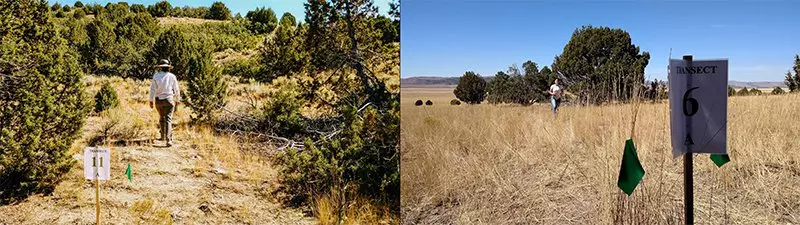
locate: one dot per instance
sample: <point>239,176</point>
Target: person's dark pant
<point>555,102</point>
<point>165,109</point>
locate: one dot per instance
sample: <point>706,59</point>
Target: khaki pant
<point>165,109</point>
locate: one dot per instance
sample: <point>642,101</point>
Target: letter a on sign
<point>698,105</point>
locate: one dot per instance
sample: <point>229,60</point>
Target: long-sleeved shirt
<point>165,86</point>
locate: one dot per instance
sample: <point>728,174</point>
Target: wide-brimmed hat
<point>163,63</point>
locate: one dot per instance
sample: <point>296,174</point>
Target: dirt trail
<point>176,183</point>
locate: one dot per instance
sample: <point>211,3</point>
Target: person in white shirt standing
<point>555,95</point>
<point>166,96</point>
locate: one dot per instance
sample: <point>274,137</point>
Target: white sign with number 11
<point>96,163</point>
<point>698,100</point>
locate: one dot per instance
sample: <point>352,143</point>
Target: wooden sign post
<point>96,166</point>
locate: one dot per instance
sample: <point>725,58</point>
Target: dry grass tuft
<point>148,211</point>
<point>337,207</point>
<point>520,165</point>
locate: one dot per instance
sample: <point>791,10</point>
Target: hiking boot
<point>169,144</point>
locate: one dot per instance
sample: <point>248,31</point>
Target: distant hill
<point>450,81</point>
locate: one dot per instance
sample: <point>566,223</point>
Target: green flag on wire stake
<point>631,171</point>
<point>720,159</point>
<point>129,173</point>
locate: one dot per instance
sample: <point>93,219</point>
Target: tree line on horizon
<point>598,65</point>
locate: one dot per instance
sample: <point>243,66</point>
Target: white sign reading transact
<point>698,97</point>
<point>96,163</point>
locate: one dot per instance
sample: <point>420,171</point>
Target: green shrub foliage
<point>471,88</point>
<point>106,98</point>
<point>601,64</point>
<point>78,14</point>
<point>283,54</point>
<point>455,102</point>
<point>743,92</point>
<point>778,91</point>
<point>218,11</point>
<point>364,155</point>
<point>261,20</point>
<point>418,102</point>
<point>117,43</point>
<point>282,110</point>
<point>288,20</point>
<point>42,101</point>
<point>176,47</point>
<point>160,9</point>
<point>207,89</point>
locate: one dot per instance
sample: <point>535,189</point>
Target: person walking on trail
<point>166,96</point>
<point>555,95</point>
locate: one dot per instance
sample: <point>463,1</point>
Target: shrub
<point>365,156</point>
<point>242,67</point>
<point>174,46</point>
<point>207,89</point>
<point>138,8</point>
<point>418,103</point>
<point>283,54</point>
<point>429,102</point>
<point>42,101</point>
<point>389,32</point>
<point>220,36</point>
<point>471,88</point>
<point>731,91</point>
<point>56,7</point>
<point>288,20</point>
<point>754,91</point>
<point>743,92</point>
<point>66,8</point>
<point>160,9</point>
<point>218,11</point>
<point>60,14</point>
<point>118,41</point>
<point>106,98</point>
<point>261,20</point>
<point>282,110</point>
<point>455,102</point>
<point>122,124</point>
<point>78,14</point>
<point>78,4</point>
<point>778,91</point>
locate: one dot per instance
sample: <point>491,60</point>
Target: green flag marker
<point>128,172</point>
<point>631,171</point>
<point>720,159</point>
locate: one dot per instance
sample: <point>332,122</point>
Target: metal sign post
<point>698,96</point>
<point>688,179</point>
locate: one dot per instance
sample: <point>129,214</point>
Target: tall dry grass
<point>485,164</point>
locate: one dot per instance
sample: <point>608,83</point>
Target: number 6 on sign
<point>692,102</point>
<point>698,95</point>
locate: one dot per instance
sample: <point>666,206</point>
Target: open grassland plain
<point>501,164</point>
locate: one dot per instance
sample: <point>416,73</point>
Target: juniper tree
<point>207,89</point>
<point>218,11</point>
<point>106,98</point>
<point>288,20</point>
<point>261,20</point>
<point>471,88</point>
<point>601,64</point>
<point>42,101</point>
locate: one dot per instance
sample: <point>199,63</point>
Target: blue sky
<point>242,6</point>
<point>447,37</point>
